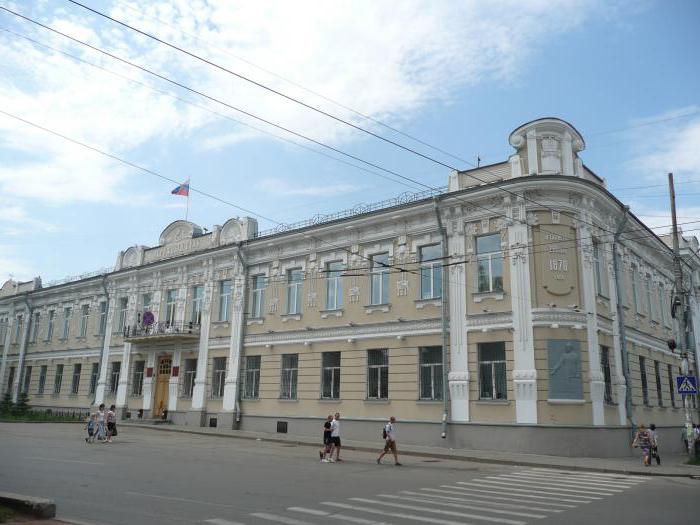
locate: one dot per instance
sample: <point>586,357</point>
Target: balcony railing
<point>163,330</point>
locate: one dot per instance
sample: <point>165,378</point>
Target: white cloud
<point>282,187</point>
<point>13,266</point>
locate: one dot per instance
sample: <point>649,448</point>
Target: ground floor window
<point>218,377</point>
<point>671,386</point>
<point>188,377</point>
<point>42,379</point>
<point>607,377</point>
<point>430,363</point>
<point>378,374</point>
<point>252,377</point>
<point>290,370</point>
<point>492,371</point>
<point>643,376</point>
<point>93,377</point>
<point>114,377</point>
<point>58,379</point>
<point>10,379</point>
<point>27,379</point>
<point>75,383</point>
<point>137,378</point>
<point>657,376</point>
<point>330,375</point>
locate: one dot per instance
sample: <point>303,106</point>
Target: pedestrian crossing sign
<point>687,385</point>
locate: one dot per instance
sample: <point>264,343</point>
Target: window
<point>93,377</point>
<point>430,362</point>
<point>49,327</point>
<point>657,375</point>
<point>252,377</point>
<point>635,290</point>
<point>643,374</point>
<point>492,371</point>
<point>430,271</point>
<point>170,302</point>
<point>188,379</point>
<point>75,383</point>
<point>334,285</point>
<point>103,317</point>
<point>18,329</point>
<point>379,279</point>
<point>58,379</point>
<point>3,331</point>
<point>597,267</point>
<point>121,322</point>
<point>42,379</point>
<point>259,285</point>
<point>67,312</point>
<point>377,374</point>
<point>84,318</point>
<point>330,375</point>
<point>35,327</point>
<point>114,377</point>
<point>671,386</point>
<point>224,300</point>
<point>294,287</point>
<point>218,376</point>
<point>489,263</point>
<point>607,377</point>
<point>647,290</point>
<point>11,379</point>
<point>137,378</point>
<point>663,306</point>
<point>290,364</point>
<point>146,301</point>
<point>197,296</point>
<point>27,379</point>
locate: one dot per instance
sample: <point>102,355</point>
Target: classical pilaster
<point>200,381</point>
<point>235,345</point>
<point>619,378</point>
<point>22,350</point>
<point>123,385</point>
<point>533,165</point>
<point>174,382</point>
<point>524,370</point>
<point>458,377</point>
<point>6,347</point>
<point>567,155</point>
<point>181,305</point>
<point>104,361</point>
<point>148,383</point>
<point>597,381</point>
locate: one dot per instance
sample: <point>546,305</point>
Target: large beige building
<point>274,330</point>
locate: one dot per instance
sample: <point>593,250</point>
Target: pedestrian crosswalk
<point>516,497</point>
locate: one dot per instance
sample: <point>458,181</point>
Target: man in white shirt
<point>335,436</point>
<point>390,441</point>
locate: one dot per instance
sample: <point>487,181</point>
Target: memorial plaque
<point>565,378</point>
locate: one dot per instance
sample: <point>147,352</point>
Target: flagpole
<point>187,209</point>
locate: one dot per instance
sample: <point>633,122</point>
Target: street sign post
<point>687,385</point>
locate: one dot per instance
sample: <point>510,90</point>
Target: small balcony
<point>162,331</point>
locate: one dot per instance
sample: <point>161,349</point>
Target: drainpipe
<point>621,319</point>
<point>23,346</point>
<point>445,321</point>
<point>241,347</point>
<point>104,335</point>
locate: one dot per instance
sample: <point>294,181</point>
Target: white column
<point>524,371</point>
<point>6,347</point>
<point>200,380</point>
<point>233,363</point>
<point>148,381</point>
<point>458,377</point>
<point>533,164</point>
<point>123,385</point>
<point>597,380</point>
<point>102,378</point>
<point>174,382</point>
<point>619,378</point>
<point>567,155</point>
<point>22,349</point>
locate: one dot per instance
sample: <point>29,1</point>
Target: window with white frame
<point>378,374</point>
<point>10,379</point>
<point>607,376</point>
<point>57,380</point>
<point>379,278</point>
<point>643,377</point>
<point>295,282</point>
<point>636,298</point>
<point>35,327</point>
<point>27,379</point>
<point>430,271</point>
<point>489,263</point>
<point>252,377</point>
<point>197,297</point>
<point>19,324</point>
<point>599,269</point>
<point>75,381</point>
<point>650,301</point>
<point>431,380</point>
<point>218,377</point>
<point>334,285</point>
<point>492,371</point>
<point>114,377</point>
<point>84,319</point>
<point>122,313</point>
<point>3,331</point>
<point>67,312</point>
<point>137,378</point>
<point>94,373</point>
<point>225,288</point>
<point>49,325</point>
<point>103,318</point>
<point>146,300</point>
<point>258,296</point>
<point>288,380</point>
<point>188,377</point>
<point>42,379</point>
<point>170,305</point>
<point>330,375</point>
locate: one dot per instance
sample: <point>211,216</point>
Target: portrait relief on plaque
<point>565,377</point>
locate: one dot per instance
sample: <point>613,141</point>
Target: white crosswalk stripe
<point>567,480</point>
<point>514,487</point>
<point>488,494</point>
<point>465,506</point>
<point>218,521</point>
<point>337,517</point>
<point>603,475</point>
<point>279,519</point>
<point>483,501</point>
<point>555,485</point>
<point>537,494</point>
<point>413,517</point>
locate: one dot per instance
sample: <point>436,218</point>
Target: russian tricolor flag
<point>182,189</point>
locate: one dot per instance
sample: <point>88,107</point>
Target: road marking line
<point>489,495</point>
<point>593,474</point>
<point>66,460</point>
<point>172,498</point>
<point>279,519</point>
<point>343,517</point>
<point>524,495</point>
<point>586,478</point>
<point>554,485</point>
<point>439,511</point>
<point>511,486</point>
<point>309,511</point>
<point>384,512</point>
<point>219,521</point>
<point>482,501</point>
<point>566,480</point>
<point>462,506</point>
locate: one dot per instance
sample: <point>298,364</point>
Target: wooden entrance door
<point>160,403</point>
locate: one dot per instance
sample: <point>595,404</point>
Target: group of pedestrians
<point>647,440</point>
<point>331,440</point>
<point>101,426</point>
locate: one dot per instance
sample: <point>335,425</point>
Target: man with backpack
<point>389,435</point>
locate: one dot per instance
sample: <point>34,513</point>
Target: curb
<point>438,455</point>
<point>38,507</point>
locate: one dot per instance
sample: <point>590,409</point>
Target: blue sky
<point>458,75</point>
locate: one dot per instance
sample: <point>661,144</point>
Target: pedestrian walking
<point>335,436</point>
<point>111,423</point>
<point>654,443</point>
<point>91,428</point>
<point>389,435</point>
<point>101,422</point>
<point>327,446</point>
<point>642,440</point>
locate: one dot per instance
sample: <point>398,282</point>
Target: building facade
<point>486,311</point>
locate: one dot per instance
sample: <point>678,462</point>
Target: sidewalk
<point>673,466</point>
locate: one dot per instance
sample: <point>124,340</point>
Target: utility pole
<point>680,299</point>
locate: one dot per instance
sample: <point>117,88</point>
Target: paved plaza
<point>148,477</point>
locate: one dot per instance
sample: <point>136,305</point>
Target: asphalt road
<point>151,477</point>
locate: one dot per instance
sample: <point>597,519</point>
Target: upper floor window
<point>294,288</point>
<point>379,279</point>
<point>84,318</point>
<point>170,303</point>
<point>334,285</point>
<point>636,298</point>
<point>49,326</point>
<point>19,324</point>
<point>123,308</point>
<point>197,296</point>
<point>146,300</point>
<point>430,272</point>
<point>225,300</point>
<point>489,263</point>
<point>599,273</point>
<point>35,327</point>
<point>67,312</point>
<point>103,317</point>
<point>651,303</point>
<point>258,295</point>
